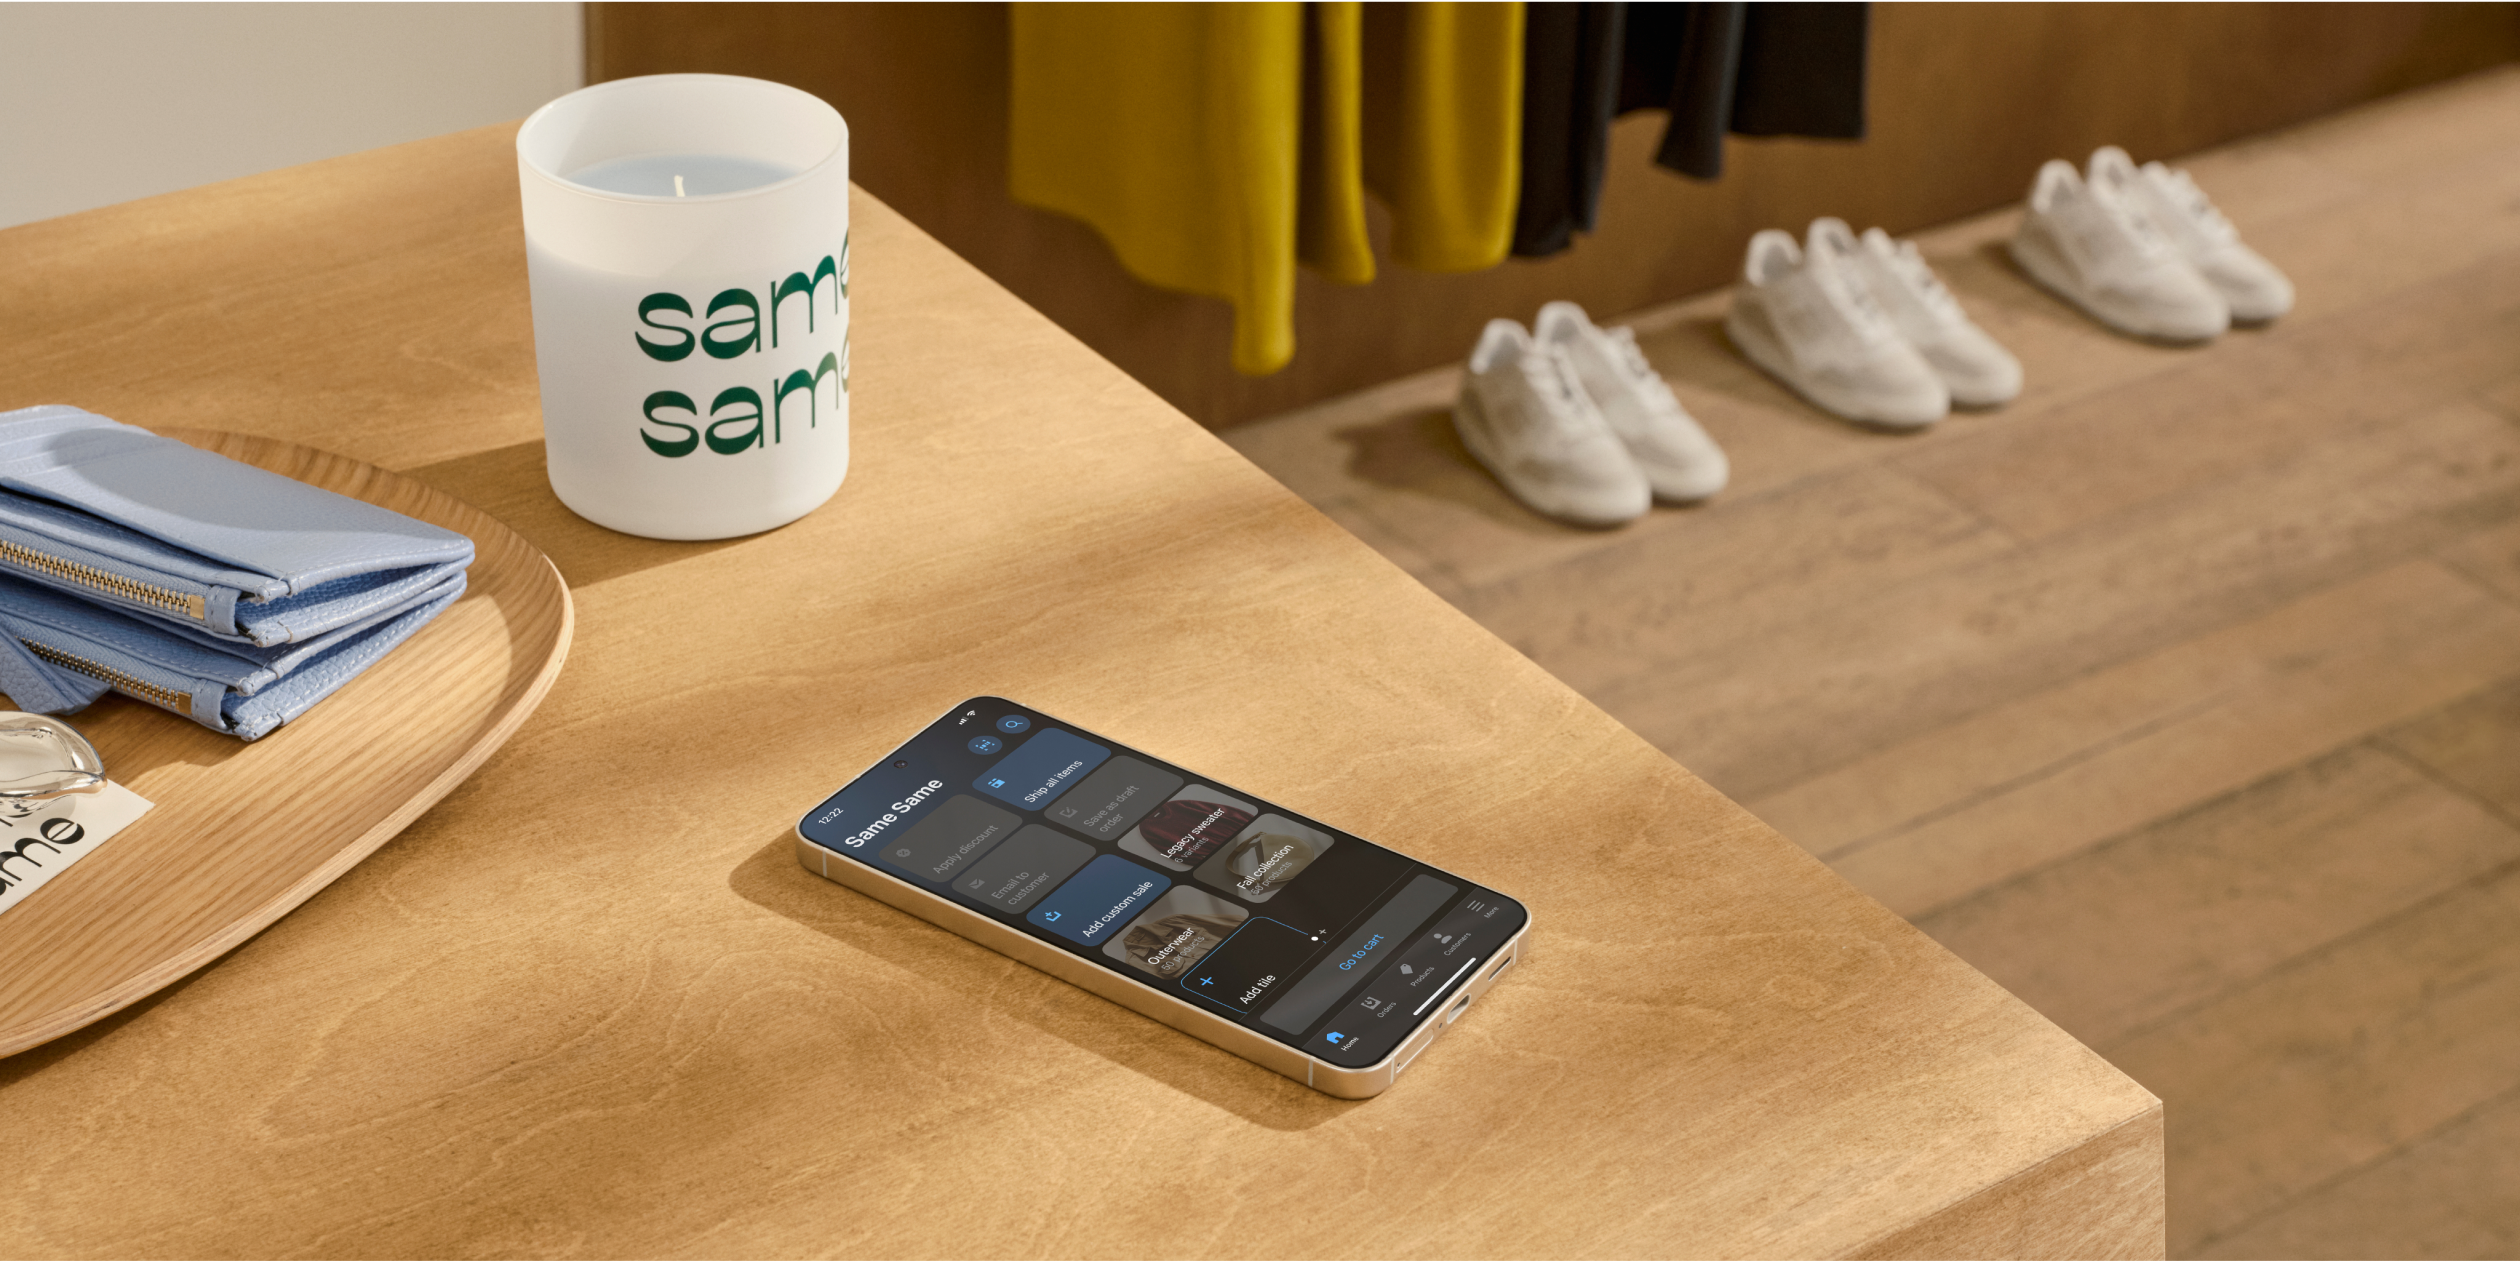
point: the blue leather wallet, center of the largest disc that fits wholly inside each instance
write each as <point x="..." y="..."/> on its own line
<point x="227" y="593"/>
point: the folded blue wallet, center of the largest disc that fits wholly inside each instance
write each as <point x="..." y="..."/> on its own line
<point x="214" y="589"/>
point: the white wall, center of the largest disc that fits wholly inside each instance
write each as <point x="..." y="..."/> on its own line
<point x="101" y="103"/>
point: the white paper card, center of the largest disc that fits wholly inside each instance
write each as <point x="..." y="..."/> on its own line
<point x="36" y="847"/>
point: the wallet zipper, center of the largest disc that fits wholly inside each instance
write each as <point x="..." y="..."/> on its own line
<point x="179" y="603"/>
<point x="122" y="681"/>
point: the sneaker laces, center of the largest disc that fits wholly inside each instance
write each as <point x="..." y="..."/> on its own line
<point x="2199" y="208"/>
<point x="1552" y="381"/>
<point x="1922" y="281"/>
<point x="1631" y="357"/>
<point x="2136" y="227"/>
<point x="1631" y="360"/>
<point x="1854" y="300"/>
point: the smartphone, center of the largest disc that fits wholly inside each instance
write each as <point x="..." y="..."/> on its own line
<point x="1301" y="948"/>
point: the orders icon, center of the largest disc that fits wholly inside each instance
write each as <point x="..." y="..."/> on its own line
<point x="1014" y="724"/>
<point x="986" y="744"/>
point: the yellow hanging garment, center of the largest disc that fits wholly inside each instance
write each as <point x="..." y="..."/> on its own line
<point x="1173" y="130"/>
<point x="1443" y="129"/>
<point x="1330" y="227"/>
<point x="1213" y="144"/>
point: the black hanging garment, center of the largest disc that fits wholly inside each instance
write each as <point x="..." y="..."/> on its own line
<point x="1572" y="58"/>
<point x="1748" y="69"/>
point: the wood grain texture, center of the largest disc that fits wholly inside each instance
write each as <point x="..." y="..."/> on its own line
<point x="2473" y="745"/>
<point x="2019" y="1218"/>
<point x="588" y="1005"/>
<point x="2199" y="906"/>
<point x="2170" y="729"/>
<point x="2181" y="695"/>
<point x="2389" y="664"/>
<point x="1965" y="101"/>
<point x="2453" y="1193"/>
<point x="2338" y="1061"/>
<point x="241" y="834"/>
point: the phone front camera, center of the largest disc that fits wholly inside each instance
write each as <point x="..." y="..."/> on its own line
<point x="900" y="764"/>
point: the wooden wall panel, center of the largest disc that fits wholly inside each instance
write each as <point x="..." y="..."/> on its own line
<point x="1966" y="101"/>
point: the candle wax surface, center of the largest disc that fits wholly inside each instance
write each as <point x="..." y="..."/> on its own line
<point x="652" y="174"/>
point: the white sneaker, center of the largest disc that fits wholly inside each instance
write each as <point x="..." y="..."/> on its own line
<point x="1522" y="415"/>
<point x="1978" y="372"/>
<point x="1810" y="323"/>
<point x="1679" y="461"/>
<point x="2093" y="249"/>
<point x="2254" y="289"/>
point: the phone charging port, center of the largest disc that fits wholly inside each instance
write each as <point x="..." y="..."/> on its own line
<point x="1457" y="1009"/>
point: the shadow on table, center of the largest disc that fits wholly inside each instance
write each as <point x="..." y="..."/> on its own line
<point x="771" y="880"/>
<point x="510" y="483"/>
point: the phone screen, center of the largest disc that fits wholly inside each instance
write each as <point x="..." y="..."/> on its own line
<point x="1287" y="926"/>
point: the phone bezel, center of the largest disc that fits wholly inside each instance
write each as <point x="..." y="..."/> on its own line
<point x="1166" y="1009"/>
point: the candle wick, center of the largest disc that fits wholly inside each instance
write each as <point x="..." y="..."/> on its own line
<point x="678" y="191"/>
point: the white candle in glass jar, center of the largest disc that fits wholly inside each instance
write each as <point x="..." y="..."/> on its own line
<point x="687" y="239"/>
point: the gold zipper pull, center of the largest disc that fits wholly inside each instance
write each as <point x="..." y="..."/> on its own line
<point x="180" y="603"/>
<point x="128" y="685"/>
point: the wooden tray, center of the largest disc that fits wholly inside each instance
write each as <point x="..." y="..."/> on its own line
<point x="243" y="833"/>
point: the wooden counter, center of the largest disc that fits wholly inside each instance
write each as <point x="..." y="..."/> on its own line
<point x="590" y="1005"/>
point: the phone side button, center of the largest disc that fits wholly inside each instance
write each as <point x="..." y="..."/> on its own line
<point x="813" y="858"/>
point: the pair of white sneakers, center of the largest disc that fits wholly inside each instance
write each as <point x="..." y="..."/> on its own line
<point x="1863" y="328"/>
<point x="2144" y="251"/>
<point x="1577" y="425"/>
